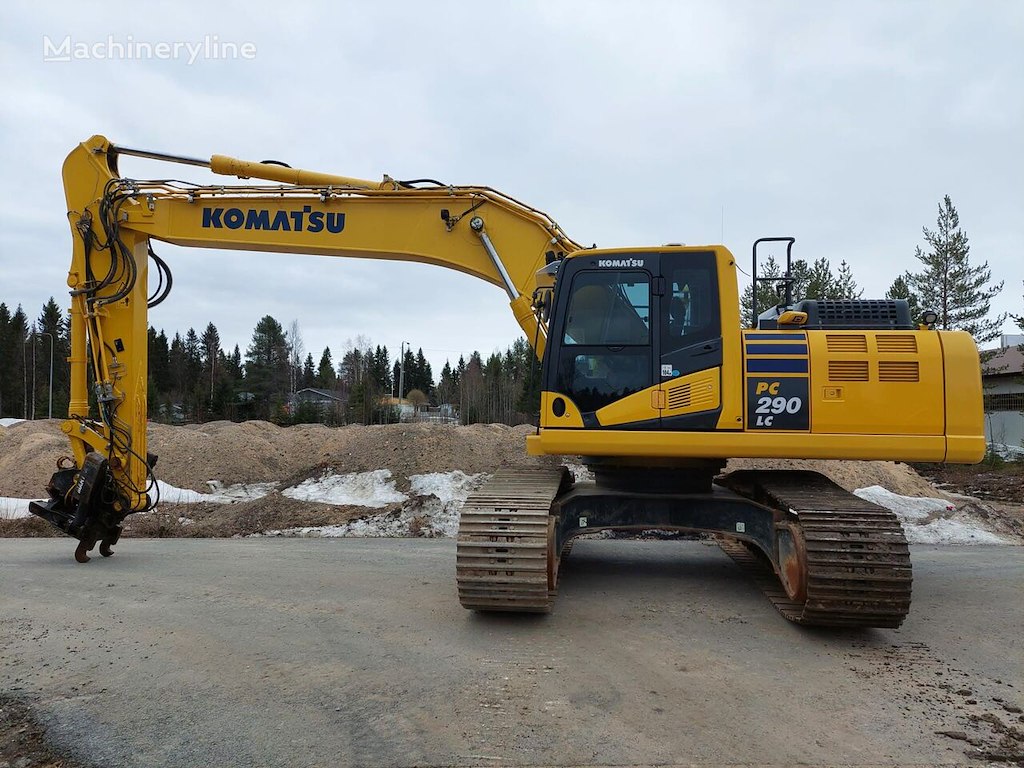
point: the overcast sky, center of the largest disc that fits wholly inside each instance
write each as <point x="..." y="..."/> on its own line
<point x="642" y="123"/>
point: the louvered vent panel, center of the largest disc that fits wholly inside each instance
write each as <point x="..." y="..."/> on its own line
<point x="898" y="370"/>
<point x="848" y="370"/>
<point x="680" y="397"/>
<point x="901" y="343"/>
<point x="844" y="343"/>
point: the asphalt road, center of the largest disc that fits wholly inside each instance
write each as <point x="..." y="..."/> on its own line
<point x="292" y="652"/>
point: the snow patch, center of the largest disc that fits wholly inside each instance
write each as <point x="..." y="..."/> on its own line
<point x="221" y="494"/>
<point x="930" y="521"/>
<point x="432" y="511"/>
<point x="6" y="422"/>
<point x="907" y="508"/>
<point x="443" y="494"/>
<point x="1002" y="450"/>
<point x="169" y="494"/>
<point x="14" y="509"/>
<point x="240" y="491"/>
<point x="581" y="472"/>
<point x="359" y="489"/>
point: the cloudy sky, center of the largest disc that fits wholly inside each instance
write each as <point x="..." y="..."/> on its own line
<point x="842" y="124"/>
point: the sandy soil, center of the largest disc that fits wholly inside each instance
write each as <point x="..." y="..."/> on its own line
<point x="258" y="451"/>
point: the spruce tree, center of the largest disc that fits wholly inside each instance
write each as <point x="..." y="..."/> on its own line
<point x="209" y="348"/>
<point x="308" y="372"/>
<point x="326" y="377"/>
<point x="950" y="285"/>
<point x="266" y="366"/>
<point x="52" y="336"/>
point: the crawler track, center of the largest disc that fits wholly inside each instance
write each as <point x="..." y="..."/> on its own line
<point x="506" y="559"/>
<point x="858" y="571"/>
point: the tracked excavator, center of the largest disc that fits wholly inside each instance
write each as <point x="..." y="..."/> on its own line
<point x="647" y="373"/>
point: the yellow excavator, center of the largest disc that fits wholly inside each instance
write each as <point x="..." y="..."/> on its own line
<point x="647" y="373"/>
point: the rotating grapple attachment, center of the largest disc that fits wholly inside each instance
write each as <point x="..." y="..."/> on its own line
<point x="83" y="505"/>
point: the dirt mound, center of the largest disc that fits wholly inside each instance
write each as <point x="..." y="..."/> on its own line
<point x="29" y="452"/>
<point x="258" y="451"/>
<point x="851" y="475"/>
<point x="272" y="512"/>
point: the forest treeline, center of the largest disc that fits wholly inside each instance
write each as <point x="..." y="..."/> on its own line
<point x="192" y="378"/>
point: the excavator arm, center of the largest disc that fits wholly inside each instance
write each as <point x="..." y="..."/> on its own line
<point x="475" y="230"/>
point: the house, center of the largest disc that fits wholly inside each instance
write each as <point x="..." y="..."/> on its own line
<point x="407" y="411"/>
<point x="324" y="401"/>
<point x="1002" y="377"/>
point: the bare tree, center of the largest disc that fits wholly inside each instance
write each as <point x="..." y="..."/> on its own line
<point x="295" y="351"/>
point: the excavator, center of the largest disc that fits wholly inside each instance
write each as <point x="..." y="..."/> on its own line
<point x="648" y="373"/>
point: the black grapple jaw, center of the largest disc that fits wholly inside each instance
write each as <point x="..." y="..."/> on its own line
<point x="79" y="506"/>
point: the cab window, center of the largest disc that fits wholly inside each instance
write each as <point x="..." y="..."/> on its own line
<point x="609" y="308"/>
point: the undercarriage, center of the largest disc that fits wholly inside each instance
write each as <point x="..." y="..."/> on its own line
<point x="822" y="555"/>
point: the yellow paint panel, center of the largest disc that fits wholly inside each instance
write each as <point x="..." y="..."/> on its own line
<point x="570" y="419"/>
<point x="728" y="444"/>
<point x="963" y="398"/>
<point x="636" y="407"/>
<point x="697" y="392"/>
<point x="857" y="389"/>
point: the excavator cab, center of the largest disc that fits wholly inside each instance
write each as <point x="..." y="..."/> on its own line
<point x="627" y="325"/>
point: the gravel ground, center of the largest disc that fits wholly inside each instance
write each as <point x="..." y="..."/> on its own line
<point x="356" y="652"/>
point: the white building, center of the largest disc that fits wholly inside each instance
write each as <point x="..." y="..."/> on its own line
<point x="1002" y="379"/>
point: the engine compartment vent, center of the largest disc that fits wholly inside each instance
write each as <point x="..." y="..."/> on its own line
<point x="898" y="370"/>
<point x="846" y="343"/>
<point x="898" y="343"/>
<point x="847" y="370"/>
<point x="680" y="397"/>
<point x="881" y="314"/>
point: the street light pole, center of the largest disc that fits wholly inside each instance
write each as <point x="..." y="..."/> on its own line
<point x="24" y="370"/>
<point x="32" y="337"/>
<point x="401" y="374"/>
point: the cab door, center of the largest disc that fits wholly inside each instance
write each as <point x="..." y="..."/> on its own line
<point x="605" y="361"/>
<point x="690" y="340"/>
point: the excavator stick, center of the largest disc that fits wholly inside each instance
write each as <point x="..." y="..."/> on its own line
<point x="80" y="505"/>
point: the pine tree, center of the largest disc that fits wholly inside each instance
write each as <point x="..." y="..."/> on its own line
<point x="844" y="286"/>
<point x="1018" y="319"/>
<point x="767" y="295"/>
<point x="900" y="289"/>
<point x="820" y="282"/>
<point x="960" y="293"/>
